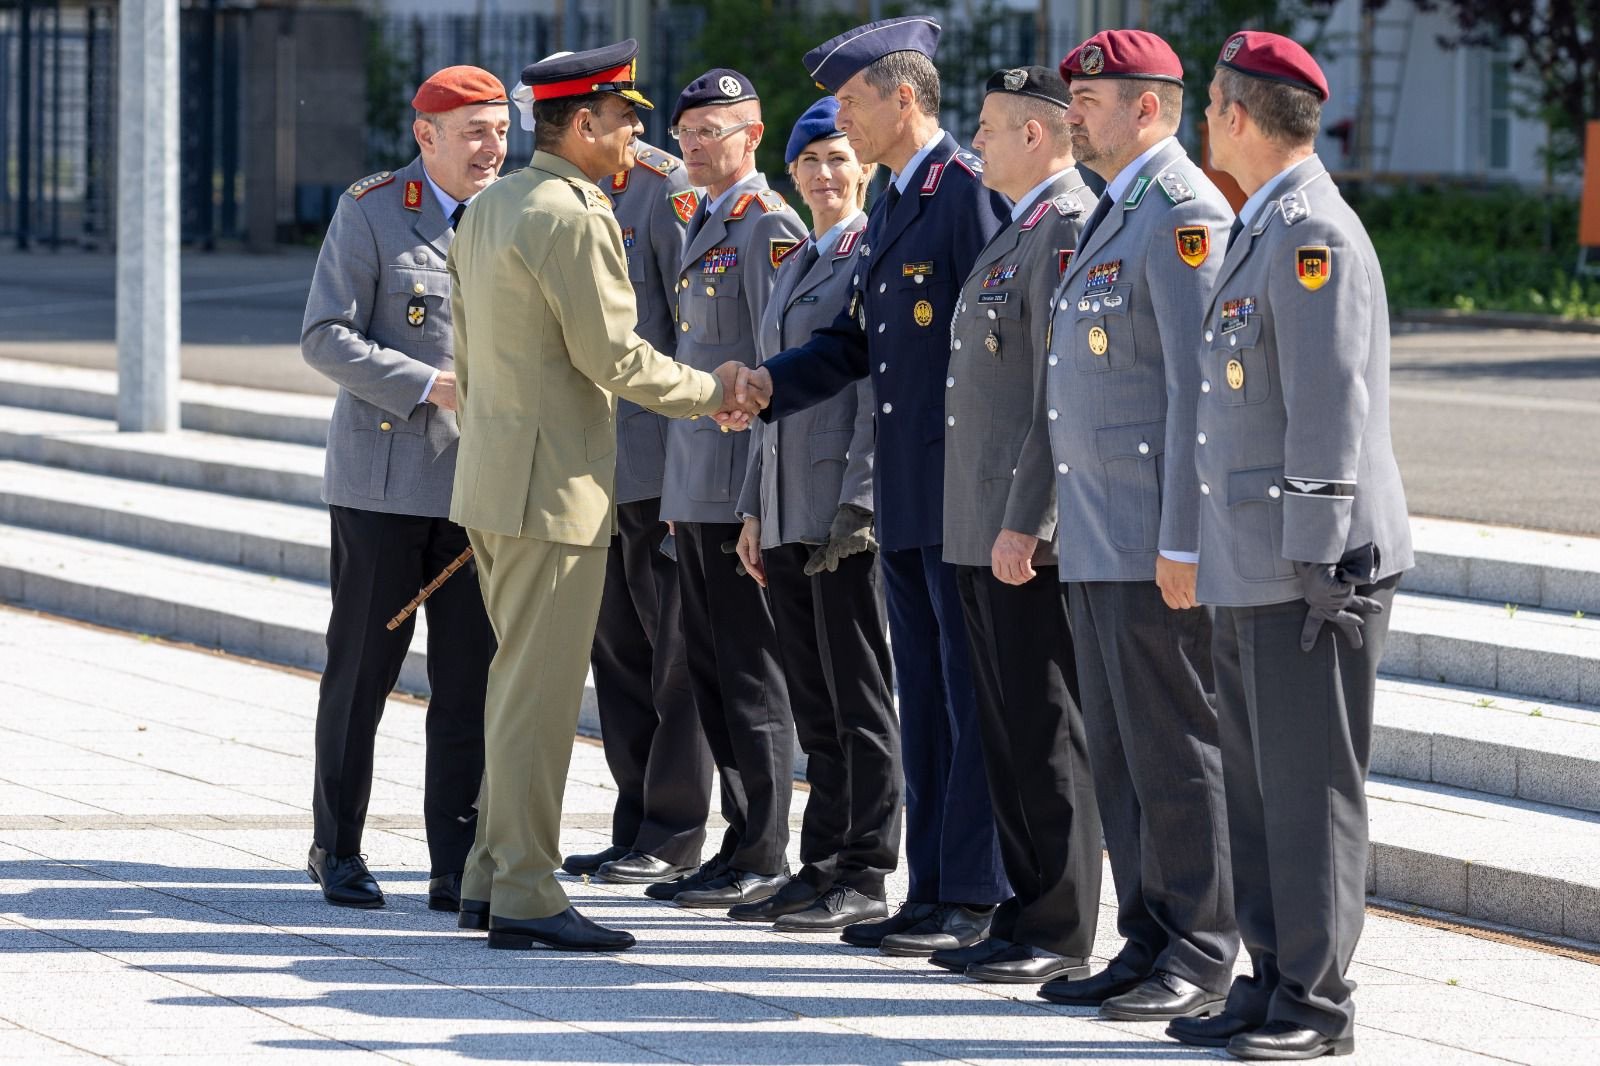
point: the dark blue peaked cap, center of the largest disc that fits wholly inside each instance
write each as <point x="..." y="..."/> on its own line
<point x="834" y="62"/>
<point x="720" y="85"/>
<point x="817" y="123"/>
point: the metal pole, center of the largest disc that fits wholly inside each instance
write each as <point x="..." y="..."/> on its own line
<point x="147" y="216"/>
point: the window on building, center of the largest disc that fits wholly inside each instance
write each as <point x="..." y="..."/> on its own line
<point x="1500" y="111"/>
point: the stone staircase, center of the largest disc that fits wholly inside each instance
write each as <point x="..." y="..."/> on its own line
<point x="1486" y="751"/>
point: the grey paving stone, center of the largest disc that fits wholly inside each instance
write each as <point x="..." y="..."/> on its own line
<point x="1512" y="897"/>
<point x="1549" y="674"/>
<point x="1501" y="581"/>
<point x="1467" y="763"/>
<point x="1418" y="877"/>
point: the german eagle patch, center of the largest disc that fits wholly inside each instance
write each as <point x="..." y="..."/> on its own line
<point x="1313" y="264"/>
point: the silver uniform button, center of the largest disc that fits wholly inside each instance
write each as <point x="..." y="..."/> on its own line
<point x="1208" y="336"/>
<point x="888" y="407"/>
<point x="1144" y="448"/>
<point x="1274" y="492"/>
<point x="956" y="344"/>
<point x="1232" y="341"/>
<point x="991" y="312"/>
<point x="1062" y="468"/>
<point x="949" y="383"/>
<point x="1062" y="306"/>
<point x="882" y="285"/>
<point x="1201" y="437"/>
<point x="881" y="327"/>
<point x="919" y="279"/>
<point x="1205" y="386"/>
<point x="883" y="368"/>
<point x="1053" y="360"/>
<point x="950" y="421"/>
<point x="419" y="288"/>
<point x="855" y="279"/>
<point x="1054" y="414"/>
<point x="1205" y="490"/>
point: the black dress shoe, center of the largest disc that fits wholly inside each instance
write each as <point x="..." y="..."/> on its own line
<point x="444" y="892"/>
<point x="637" y="868"/>
<point x="588" y="864"/>
<point x="567" y="931"/>
<point x="666" y="890"/>
<point x="346" y="882"/>
<point x="1214" y="1030"/>
<point x="839" y="907"/>
<point x="871" y="934"/>
<point x="952" y="926"/>
<point x="1092" y="991"/>
<point x="733" y="886"/>
<point x="1286" y="1040"/>
<point x="1161" y="997"/>
<point x="796" y="895"/>
<point x="957" y="960"/>
<point x="1027" y="965"/>
<point x="474" y="915"/>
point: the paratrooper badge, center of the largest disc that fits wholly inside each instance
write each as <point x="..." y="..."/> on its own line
<point x="1093" y="60"/>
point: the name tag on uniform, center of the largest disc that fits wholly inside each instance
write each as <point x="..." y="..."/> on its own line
<point x="807" y="299"/>
<point x="919" y="271"/>
<point x="993" y="297"/>
<point x="720" y="260"/>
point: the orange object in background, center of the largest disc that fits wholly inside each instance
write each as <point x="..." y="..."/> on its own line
<point x="1229" y="187"/>
<point x="1589" y="209"/>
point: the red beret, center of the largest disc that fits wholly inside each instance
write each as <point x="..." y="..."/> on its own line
<point x="1267" y="55"/>
<point x="1123" y="54"/>
<point x="455" y="87"/>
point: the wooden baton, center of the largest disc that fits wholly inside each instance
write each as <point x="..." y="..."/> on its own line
<point x="429" y="589"/>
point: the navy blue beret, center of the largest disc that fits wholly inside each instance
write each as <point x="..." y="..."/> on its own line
<point x="720" y="85"/>
<point x="832" y="63"/>
<point x="816" y="123"/>
<point x="612" y="69"/>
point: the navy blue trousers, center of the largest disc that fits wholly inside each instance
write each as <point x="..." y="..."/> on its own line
<point x="952" y="852"/>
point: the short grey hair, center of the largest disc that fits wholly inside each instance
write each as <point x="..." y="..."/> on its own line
<point x="1284" y="113"/>
<point x="887" y="73"/>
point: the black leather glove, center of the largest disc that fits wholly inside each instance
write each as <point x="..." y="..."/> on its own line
<point x="1330" y="593"/>
<point x="851" y="532"/>
<point x="731" y="547"/>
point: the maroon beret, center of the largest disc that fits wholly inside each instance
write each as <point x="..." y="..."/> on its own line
<point x="1267" y="55"/>
<point x="455" y="87"/>
<point x="1123" y="54"/>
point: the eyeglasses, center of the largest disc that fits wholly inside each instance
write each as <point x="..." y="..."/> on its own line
<point x="684" y="133"/>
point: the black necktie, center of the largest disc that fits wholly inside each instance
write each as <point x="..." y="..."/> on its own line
<point x="1101" y="210"/>
<point x="1235" y="230"/>
<point x="455" y="216"/>
<point x="698" y="220"/>
<point x="809" y="259"/>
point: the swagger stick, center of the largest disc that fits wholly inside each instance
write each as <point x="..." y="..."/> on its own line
<point x="428" y="590"/>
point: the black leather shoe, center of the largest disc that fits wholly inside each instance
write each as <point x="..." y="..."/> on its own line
<point x="957" y="960"/>
<point x="1214" y="1030"/>
<point x="1026" y="965"/>
<point x="637" y="868"/>
<point x="734" y="886"/>
<point x="444" y="892"/>
<point x="567" y="931"/>
<point x="1286" y="1040"/>
<point x="474" y="915"/>
<point x="870" y="934"/>
<point x="839" y="907"/>
<point x="346" y="882"/>
<point x="796" y="895"/>
<point x="1161" y="997"/>
<point x="666" y="890"/>
<point x="953" y="926"/>
<point x="588" y="864"/>
<point x="1092" y="991"/>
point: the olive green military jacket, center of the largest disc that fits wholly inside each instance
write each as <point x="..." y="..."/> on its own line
<point x="544" y="343"/>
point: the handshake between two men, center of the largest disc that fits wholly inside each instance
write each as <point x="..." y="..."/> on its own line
<point x="746" y="391"/>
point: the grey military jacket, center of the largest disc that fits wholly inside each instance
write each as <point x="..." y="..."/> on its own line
<point x="802" y="468"/>
<point x="996" y="458"/>
<point x="377" y="323"/>
<point x="653" y="204"/>
<point x="1121" y="374"/>
<point x="1294" y="455"/>
<point x="724" y="281"/>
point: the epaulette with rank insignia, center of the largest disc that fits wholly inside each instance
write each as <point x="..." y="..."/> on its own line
<point x="659" y="162"/>
<point x="771" y="200"/>
<point x="1177" y="190"/>
<point x="1294" y="207"/>
<point x="969" y="161"/>
<point x="847" y="243"/>
<point x="589" y="195"/>
<point x="1067" y="206"/>
<point x="370" y="182"/>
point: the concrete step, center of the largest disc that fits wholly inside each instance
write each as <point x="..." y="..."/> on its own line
<point x="1522" y="651"/>
<point x="1543" y="751"/>
<point x="269" y="470"/>
<point x="291" y="417"/>
<point x="1556" y="571"/>
<point x="1499" y="860"/>
<point x="284" y="539"/>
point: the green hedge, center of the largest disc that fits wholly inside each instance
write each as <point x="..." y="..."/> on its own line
<point x="1478" y="249"/>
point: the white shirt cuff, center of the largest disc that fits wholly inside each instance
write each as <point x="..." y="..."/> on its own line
<point x="428" y="388"/>
<point x="1191" y="558"/>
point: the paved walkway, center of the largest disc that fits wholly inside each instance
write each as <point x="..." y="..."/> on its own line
<point x="153" y="909"/>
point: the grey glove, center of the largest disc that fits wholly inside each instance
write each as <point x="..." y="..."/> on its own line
<point x="1330" y="594"/>
<point x="851" y="532"/>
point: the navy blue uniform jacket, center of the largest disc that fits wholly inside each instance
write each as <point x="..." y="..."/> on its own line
<point x="896" y="327"/>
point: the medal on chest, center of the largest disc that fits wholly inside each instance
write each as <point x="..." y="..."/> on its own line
<point x="720" y="260"/>
<point x="1236" y="313"/>
<point x="999" y="275"/>
<point x="1101" y="277"/>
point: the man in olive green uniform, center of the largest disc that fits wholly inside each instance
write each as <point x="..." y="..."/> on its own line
<point x="543" y="315"/>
